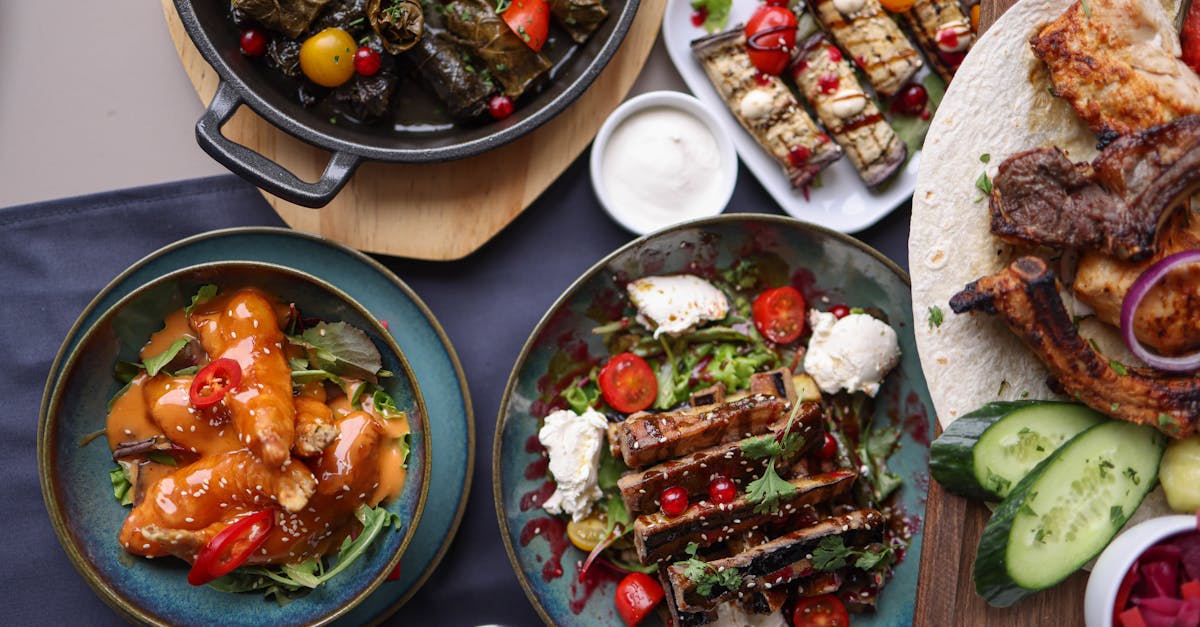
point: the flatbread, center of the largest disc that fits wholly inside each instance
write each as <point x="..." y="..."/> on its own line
<point x="998" y="104"/>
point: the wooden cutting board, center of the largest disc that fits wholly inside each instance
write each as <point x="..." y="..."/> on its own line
<point x="437" y="211"/>
<point x="946" y="587"/>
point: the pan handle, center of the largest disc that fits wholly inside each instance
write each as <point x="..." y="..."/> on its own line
<point x="260" y="170"/>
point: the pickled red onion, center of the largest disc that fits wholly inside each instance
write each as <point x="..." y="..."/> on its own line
<point x="1137" y="292"/>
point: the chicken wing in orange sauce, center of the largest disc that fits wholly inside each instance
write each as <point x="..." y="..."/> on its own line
<point x="305" y="453"/>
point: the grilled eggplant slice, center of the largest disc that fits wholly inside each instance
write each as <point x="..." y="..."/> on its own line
<point x="765" y="107"/>
<point x="640" y="490"/>
<point x="646" y="438"/>
<point x="658" y="536"/>
<point x="777" y="562"/>
<point x="874" y="42"/>
<point x="943" y="31"/>
<point x="848" y="113"/>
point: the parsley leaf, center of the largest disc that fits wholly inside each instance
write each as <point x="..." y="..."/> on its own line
<point x="935" y="316"/>
<point x="768" y="489"/>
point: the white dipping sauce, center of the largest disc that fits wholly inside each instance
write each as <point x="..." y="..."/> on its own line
<point x="662" y="166"/>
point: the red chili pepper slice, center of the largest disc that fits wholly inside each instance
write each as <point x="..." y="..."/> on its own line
<point x="231" y="547"/>
<point x="213" y="381"/>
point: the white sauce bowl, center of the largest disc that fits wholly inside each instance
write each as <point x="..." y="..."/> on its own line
<point x="710" y="193"/>
<point x="1119" y="557"/>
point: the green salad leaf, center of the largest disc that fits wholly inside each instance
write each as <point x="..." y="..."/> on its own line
<point x="717" y="13"/>
<point x="122" y="486"/>
<point x="156" y="363"/>
<point x="341" y="349"/>
<point x="203" y="295"/>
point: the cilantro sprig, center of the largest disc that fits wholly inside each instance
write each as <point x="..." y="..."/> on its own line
<point x="707" y="578"/>
<point x="769" y="489"/>
<point x="833" y="554"/>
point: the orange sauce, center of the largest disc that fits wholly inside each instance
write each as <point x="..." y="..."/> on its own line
<point x="174" y="327"/>
<point x="129" y="419"/>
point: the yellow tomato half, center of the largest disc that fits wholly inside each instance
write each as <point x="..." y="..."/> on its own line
<point x="587" y="533"/>
<point x="327" y="58"/>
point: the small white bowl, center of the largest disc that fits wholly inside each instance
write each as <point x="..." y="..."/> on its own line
<point x="1119" y="557"/>
<point x="628" y="216"/>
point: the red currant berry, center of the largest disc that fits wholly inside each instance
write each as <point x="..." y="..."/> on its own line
<point x="254" y="42"/>
<point x="911" y="100"/>
<point x="500" y="107"/>
<point x="721" y="490"/>
<point x="799" y="156"/>
<point x="674" y="501"/>
<point x="367" y="61"/>
<point x="699" y="16"/>
<point x="828" y="448"/>
<point x="840" y="311"/>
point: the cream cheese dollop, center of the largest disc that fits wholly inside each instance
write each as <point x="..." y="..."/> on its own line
<point x="954" y="36"/>
<point x="573" y="443"/>
<point x="757" y="103"/>
<point x="854" y="353"/>
<point x="675" y="304"/>
<point x="846" y="7"/>
<point x="848" y="103"/>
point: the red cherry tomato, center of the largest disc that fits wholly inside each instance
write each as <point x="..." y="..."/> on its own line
<point x="500" y="107"/>
<point x="253" y="42"/>
<point x="771" y="38"/>
<point x="839" y="311"/>
<point x="530" y="20"/>
<point x="231" y="547"/>
<point x="825" y="610"/>
<point x="721" y="490"/>
<point x="213" y="381"/>
<point x="637" y="595"/>
<point x="828" y="447"/>
<point x="779" y="314"/>
<point x="627" y="383"/>
<point x="367" y="61"/>
<point x="674" y="501"/>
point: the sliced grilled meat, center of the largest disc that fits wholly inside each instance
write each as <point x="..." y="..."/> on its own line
<point x="646" y="438"/>
<point x="760" y="599"/>
<point x="855" y="123"/>
<point x="874" y="41"/>
<point x="765" y="107"/>
<point x="779" y="561"/>
<point x="1113" y="205"/>
<point x="675" y="617"/>
<point x="1025" y="296"/>
<point x="658" y="536"/>
<point x="1117" y="63"/>
<point x="641" y="489"/>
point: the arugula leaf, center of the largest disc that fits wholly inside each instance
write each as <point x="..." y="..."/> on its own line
<point x="768" y="489"/>
<point x="717" y="13"/>
<point x="302" y="377"/>
<point x="156" y="363"/>
<point x="385" y="406"/>
<point x="341" y="349"/>
<point x="203" y="295"/>
<point x="122" y="487"/>
<point x="186" y="371"/>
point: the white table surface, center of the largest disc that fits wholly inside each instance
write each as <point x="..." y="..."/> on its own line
<point x="95" y="98"/>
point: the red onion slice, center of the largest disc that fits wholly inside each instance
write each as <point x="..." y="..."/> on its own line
<point x="1133" y="299"/>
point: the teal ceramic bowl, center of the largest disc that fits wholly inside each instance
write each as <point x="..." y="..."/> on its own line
<point x="830" y="267"/>
<point x="74" y="476"/>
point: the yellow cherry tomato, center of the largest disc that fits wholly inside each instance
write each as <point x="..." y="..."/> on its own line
<point x="587" y="533"/>
<point x="327" y="58"/>
<point x="897" y="6"/>
<point x="975" y="18"/>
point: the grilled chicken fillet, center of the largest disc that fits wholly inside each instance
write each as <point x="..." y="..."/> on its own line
<point x="1168" y="318"/>
<point x="1025" y="296"/>
<point x="1113" y="205"/>
<point x="1117" y="62"/>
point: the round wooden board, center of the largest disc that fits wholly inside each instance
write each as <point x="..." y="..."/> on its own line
<point x="437" y="211"/>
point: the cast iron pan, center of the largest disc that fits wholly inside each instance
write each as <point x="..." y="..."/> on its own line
<point x="272" y="96"/>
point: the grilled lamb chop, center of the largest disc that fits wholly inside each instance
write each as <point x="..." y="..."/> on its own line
<point x="1025" y="296"/>
<point x="1113" y="205"/>
<point x="1117" y="62"/>
<point x="640" y="490"/>
<point x="646" y="438"/>
<point x="658" y="536"/>
<point x="779" y="561"/>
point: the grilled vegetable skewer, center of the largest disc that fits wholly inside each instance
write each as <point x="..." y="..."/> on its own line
<point x="943" y="31"/>
<point x="873" y="40"/>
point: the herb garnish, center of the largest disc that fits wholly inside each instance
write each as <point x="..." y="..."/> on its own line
<point x="706" y="577"/>
<point x="716" y="13"/>
<point x="203" y="295"/>
<point x="833" y="554"/>
<point x="984" y="184"/>
<point x="935" y="316"/>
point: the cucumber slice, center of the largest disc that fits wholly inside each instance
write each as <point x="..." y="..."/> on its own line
<point x="1066" y="511"/>
<point x="987" y="452"/>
